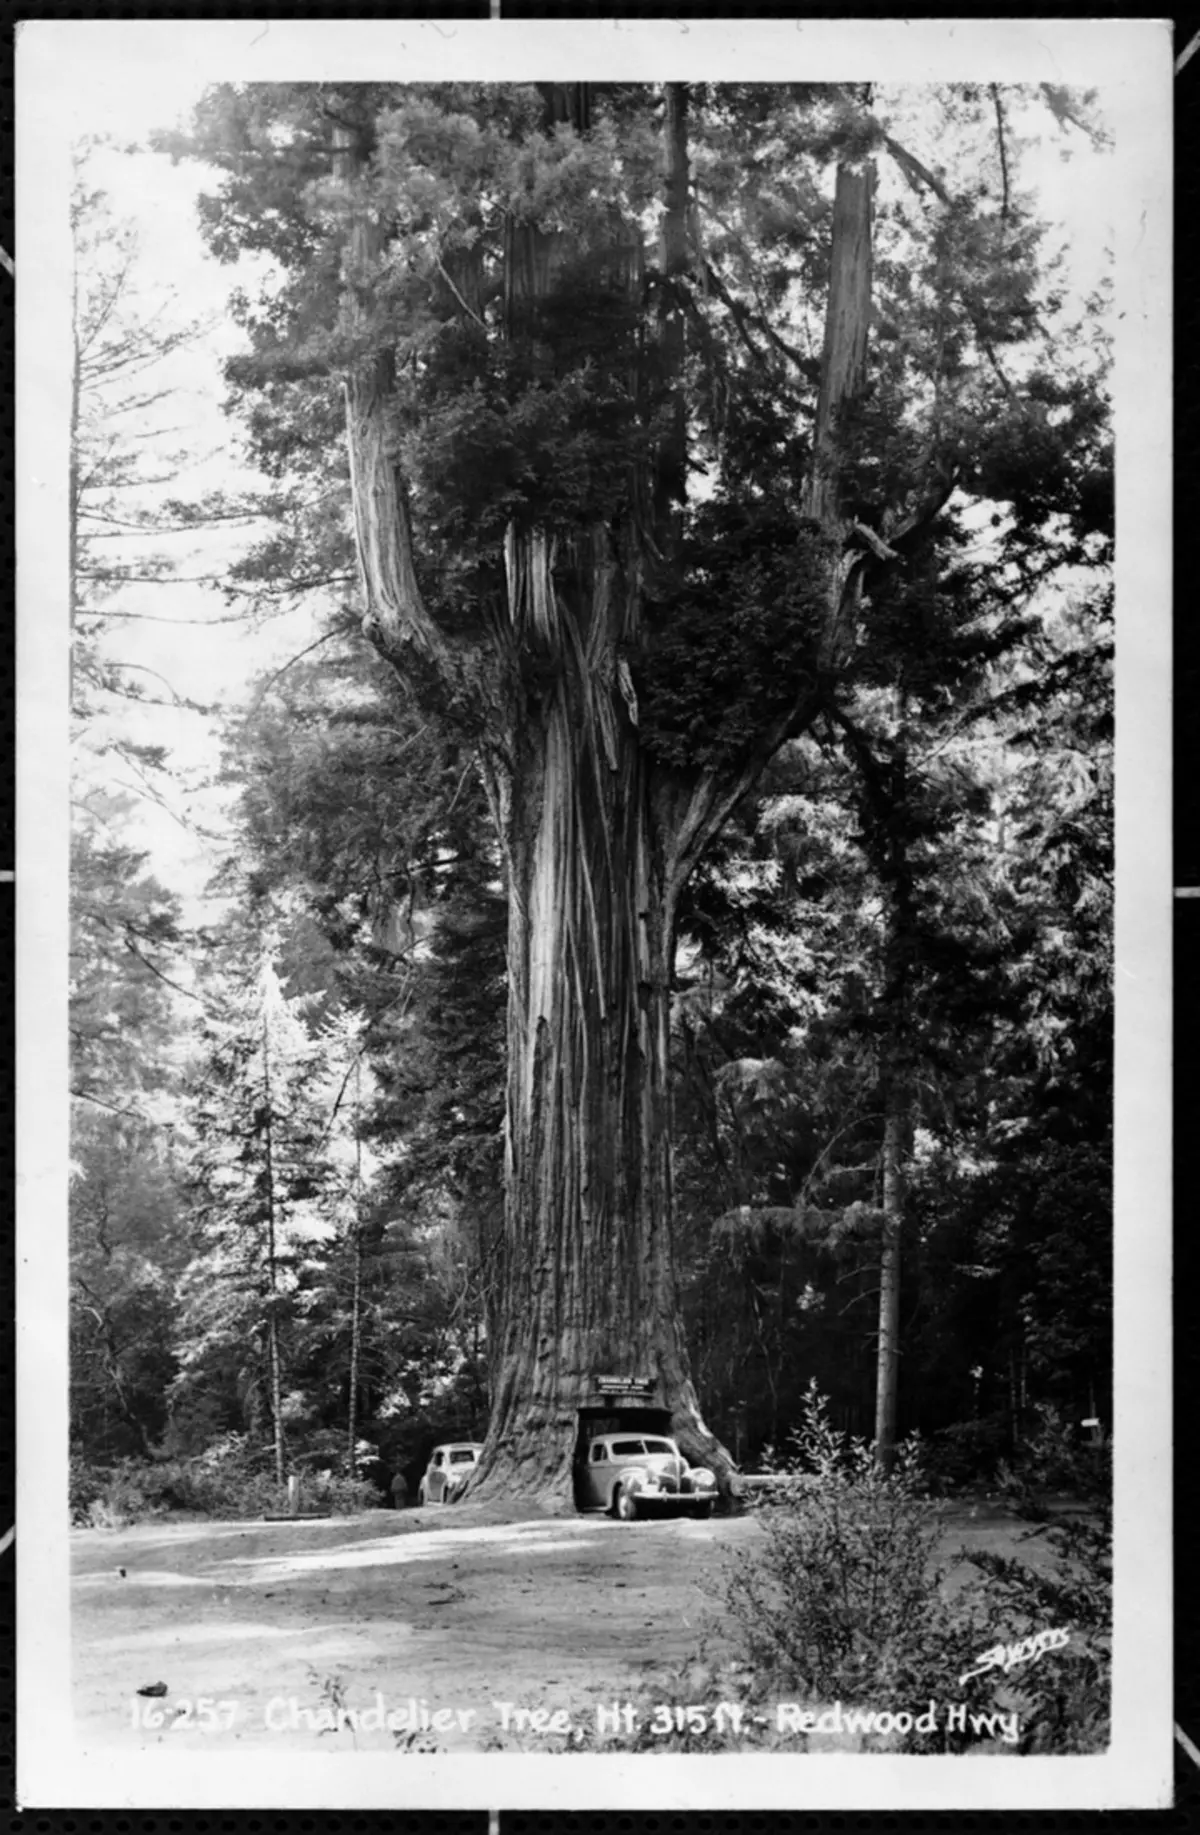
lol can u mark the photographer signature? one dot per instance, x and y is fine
(1009, 1656)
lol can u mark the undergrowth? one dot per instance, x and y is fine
(229, 1479)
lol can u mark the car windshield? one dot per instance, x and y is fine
(462, 1455)
(628, 1449)
(660, 1446)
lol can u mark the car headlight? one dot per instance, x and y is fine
(702, 1478)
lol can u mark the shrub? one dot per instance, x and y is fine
(231, 1478)
(845, 1602)
(344, 1496)
(968, 1453)
(1065, 1706)
(85, 1487)
(227, 1480)
(1053, 1458)
(109, 1497)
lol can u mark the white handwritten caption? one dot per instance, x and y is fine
(287, 1714)
(1010, 1656)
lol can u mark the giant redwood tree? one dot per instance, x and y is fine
(635, 389)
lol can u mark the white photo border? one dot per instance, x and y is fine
(1129, 61)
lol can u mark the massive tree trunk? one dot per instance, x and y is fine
(589, 1280)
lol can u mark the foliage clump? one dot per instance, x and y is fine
(539, 430)
(967, 1454)
(729, 649)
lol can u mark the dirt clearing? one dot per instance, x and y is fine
(262, 1632)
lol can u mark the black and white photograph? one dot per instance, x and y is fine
(594, 913)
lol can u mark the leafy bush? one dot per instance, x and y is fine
(85, 1487)
(968, 1453)
(231, 1478)
(109, 1497)
(344, 1496)
(1053, 1458)
(845, 1602)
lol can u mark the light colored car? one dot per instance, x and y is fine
(632, 1474)
(448, 1470)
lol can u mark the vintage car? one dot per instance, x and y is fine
(632, 1474)
(448, 1470)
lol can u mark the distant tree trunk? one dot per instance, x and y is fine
(888, 1360)
(896, 874)
(355, 1311)
(847, 322)
(273, 1358)
(356, 1285)
(276, 1390)
(843, 375)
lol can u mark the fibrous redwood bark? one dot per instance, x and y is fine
(589, 1283)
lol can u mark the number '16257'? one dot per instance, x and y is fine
(205, 1713)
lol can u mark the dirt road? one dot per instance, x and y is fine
(433, 1611)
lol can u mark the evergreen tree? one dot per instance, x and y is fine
(529, 378)
(125, 1171)
(265, 1200)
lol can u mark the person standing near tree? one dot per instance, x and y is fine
(399, 1491)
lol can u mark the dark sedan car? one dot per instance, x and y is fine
(632, 1474)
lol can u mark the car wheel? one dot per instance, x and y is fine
(422, 1499)
(625, 1505)
(703, 1510)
